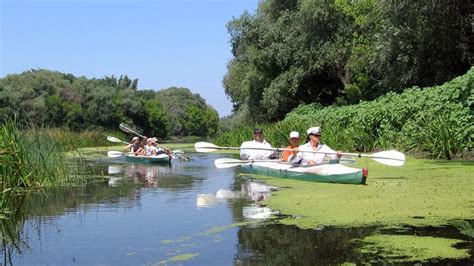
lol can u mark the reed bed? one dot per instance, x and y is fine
(33, 158)
(71, 140)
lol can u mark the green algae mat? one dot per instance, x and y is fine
(421, 193)
(406, 248)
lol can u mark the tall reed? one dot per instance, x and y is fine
(71, 140)
(30, 158)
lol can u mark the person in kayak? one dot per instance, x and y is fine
(134, 146)
(306, 156)
(160, 150)
(260, 148)
(294, 144)
(151, 149)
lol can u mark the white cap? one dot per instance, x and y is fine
(134, 138)
(294, 134)
(314, 131)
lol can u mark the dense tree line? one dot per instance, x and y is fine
(340, 52)
(57, 99)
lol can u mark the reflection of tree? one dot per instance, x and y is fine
(10, 232)
(288, 245)
(236, 206)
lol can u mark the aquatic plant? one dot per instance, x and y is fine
(406, 248)
(32, 158)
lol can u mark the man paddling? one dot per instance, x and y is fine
(307, 152)
(257, 143)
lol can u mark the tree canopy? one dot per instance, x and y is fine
(341, 52)
(56, 99)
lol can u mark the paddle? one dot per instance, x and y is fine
(114, 154)
(128, 129)
(392, 158)
(229, 162)
(114, 139)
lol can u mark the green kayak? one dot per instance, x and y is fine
(329, 172)
(161, 158)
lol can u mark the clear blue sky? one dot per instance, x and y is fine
(163, 43)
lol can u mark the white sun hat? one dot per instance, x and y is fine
(294, 134)
(314, 131)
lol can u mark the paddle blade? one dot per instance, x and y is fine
(227, 162)
(181, 156)
(114, 139)
(349, 160)
(126, 128)
(205, 147)
(113, 154)
(391, 158)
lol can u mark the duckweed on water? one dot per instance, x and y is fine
(405, 248)
(421, 193)
(180, 258)
(184, 257)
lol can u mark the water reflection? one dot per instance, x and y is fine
(287, 245)
(148, 175)
(250, 190)
(257, 212)
(152, 214)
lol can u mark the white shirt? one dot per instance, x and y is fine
(251, 154)
(149, 150)
(310, 155)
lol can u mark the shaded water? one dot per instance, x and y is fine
(187, 213)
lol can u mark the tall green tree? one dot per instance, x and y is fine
(187, 112)
(158, 123)
(340, 52)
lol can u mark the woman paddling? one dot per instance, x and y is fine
(306, 152)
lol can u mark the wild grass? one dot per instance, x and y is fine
(33, 158)
(71, 140)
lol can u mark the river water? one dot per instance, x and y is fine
(189, 213)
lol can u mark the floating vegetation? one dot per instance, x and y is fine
(407, 248)
(422, 193)
(179, 258)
